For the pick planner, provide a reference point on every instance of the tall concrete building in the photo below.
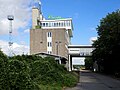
(50, 36)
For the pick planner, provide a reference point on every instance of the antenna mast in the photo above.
(10, 18)
(37, 4)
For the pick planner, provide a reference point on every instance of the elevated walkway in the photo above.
(78, 51)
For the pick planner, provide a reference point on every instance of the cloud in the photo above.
(92, 39)
(17, 49)
(4, 46)
(27, 31)
(20, 49)
(20, 9)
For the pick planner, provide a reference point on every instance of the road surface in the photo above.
(94, 81)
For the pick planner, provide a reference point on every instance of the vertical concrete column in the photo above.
(59, 61)
(69, 62)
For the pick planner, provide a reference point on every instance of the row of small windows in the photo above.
(85, 53)
(55, 24)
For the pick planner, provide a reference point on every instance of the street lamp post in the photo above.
(57, 50)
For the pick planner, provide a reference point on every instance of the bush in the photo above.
(18, 77)
(38, 27)
(3, 74)
(30, 72)
(70, 80)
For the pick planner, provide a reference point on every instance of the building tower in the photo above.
(36, 14)
(10, 18)
(50, 36)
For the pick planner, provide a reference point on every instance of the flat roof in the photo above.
(80, 46)
(50, 55)
(49, 20)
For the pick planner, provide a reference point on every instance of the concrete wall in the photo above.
(38, 41)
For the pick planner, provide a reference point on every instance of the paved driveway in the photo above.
(94, 81)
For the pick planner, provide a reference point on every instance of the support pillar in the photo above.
(59, 61)
(69, 66)
(71, 63)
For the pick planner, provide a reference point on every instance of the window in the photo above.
(46, 24)
(49, 52)
(59, 24)
(55, 24)
(49, 44)
(62, 24)
(40, 24)
(52, 24)
(49, 24)
(43, 24)
(49, 34)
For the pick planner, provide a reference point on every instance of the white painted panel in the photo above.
(49, 39)
(74, 50)
(81, 51)
(49, 48)
(78, 61)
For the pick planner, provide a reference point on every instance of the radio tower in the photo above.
(10, 18)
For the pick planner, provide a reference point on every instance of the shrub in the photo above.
(38, 27)
(70, 80)
(30, 72)
(19, 77)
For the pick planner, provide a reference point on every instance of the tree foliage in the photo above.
(88, 63)
(107, 45)
(31, 72)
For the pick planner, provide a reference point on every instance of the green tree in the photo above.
(107, 46)
(88, 63)
(2, 55)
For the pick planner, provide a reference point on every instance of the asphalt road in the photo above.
(94, 81)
